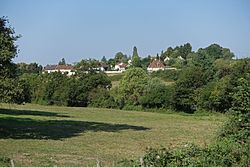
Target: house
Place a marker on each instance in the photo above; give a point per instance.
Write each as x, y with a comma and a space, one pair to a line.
64, 69
121, 67
103, 67
155, 65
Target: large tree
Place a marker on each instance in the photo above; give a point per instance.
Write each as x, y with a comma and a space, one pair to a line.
8, 50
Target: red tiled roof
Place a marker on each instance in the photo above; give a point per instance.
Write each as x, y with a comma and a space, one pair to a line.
122, 65
156, 64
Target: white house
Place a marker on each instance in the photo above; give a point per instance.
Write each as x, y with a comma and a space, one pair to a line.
64, 69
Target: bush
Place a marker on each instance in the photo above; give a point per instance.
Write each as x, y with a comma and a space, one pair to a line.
101, 98
238, 127
223, 153
156, 95
215, 96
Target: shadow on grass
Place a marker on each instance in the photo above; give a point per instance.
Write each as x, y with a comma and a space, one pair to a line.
30, 112
25, 128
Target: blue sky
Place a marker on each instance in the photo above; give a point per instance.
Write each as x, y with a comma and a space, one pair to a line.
79, 29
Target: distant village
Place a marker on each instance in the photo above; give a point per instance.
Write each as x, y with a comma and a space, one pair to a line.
170, 59
155, 65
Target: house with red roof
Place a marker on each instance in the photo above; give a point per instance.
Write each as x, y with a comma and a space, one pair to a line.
121, 67
156, 65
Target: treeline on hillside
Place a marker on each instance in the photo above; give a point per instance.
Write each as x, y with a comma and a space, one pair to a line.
207, 82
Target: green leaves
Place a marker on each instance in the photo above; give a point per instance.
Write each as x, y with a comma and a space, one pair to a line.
156, 94
135, 58
9, 88
132, 85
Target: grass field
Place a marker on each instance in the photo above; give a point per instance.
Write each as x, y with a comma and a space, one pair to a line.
34, 135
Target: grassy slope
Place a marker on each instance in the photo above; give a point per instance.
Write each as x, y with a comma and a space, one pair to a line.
35, 135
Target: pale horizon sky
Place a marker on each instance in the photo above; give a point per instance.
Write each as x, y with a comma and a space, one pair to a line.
80, 29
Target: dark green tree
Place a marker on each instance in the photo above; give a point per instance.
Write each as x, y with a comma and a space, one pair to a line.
168, 53
156, 94
184, 94
238, 126
8, 70
104, 60
185, 50
135, 58
62, 62
101, 97
145, 62
120, 57
32, 68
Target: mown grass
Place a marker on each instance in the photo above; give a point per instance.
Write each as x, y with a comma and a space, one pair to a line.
34, 135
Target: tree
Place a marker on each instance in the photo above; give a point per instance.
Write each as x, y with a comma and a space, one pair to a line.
238, 126
145, 62
185, 50
184, 94
135, 58
62, 62
132, 85
167, 53
101, 97
104, 60
8, 72
216, 95
120, 57
156, 94
29, 68
8, 49
80, 88
223, 67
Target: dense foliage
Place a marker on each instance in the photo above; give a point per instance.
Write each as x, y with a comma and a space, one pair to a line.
132, 85
156, 94
231, 149
78, 90
11, 89
223, 153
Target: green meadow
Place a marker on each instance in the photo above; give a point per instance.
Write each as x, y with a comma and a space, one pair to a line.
35, 135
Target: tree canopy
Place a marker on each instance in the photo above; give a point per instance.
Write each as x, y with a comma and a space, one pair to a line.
9, 87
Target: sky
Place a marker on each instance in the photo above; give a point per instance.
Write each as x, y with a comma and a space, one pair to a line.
81, 29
